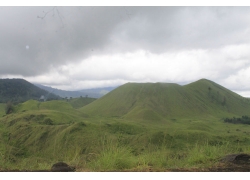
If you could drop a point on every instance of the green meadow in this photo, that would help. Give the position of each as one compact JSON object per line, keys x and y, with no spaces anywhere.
{"x":136,"y":127}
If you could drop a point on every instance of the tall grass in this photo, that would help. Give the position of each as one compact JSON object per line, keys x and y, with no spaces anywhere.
{"x":113,"y":144}
{"x":116,"y":158}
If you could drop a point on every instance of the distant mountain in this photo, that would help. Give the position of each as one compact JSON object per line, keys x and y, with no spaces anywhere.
{"x":157,"y":101}
{"x":94,"y":93}
{"x":20,"y":90}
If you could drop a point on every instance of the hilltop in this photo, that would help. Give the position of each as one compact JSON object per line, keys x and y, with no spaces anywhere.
{"x":158,"y":101}
{"x":20,"y":90}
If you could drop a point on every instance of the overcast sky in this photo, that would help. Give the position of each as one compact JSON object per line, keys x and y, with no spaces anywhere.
{"x":75,"y":48}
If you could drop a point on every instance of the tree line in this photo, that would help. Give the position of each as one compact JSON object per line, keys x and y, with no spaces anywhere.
{"x":239,"y":120}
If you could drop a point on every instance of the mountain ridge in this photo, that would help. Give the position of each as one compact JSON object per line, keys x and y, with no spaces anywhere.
{"x":20,"y":90}
{"x":169,"y":100}
{"x":94,"y":92}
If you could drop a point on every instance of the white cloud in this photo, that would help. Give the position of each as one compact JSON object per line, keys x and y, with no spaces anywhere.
{"x":86,"y":47}
{"x":228,"y":66}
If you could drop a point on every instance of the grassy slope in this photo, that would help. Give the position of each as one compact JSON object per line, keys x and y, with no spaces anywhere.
{"x":102,"y":143}
{"x":158,"y":101}
{"x":109,"y":144}
{"x":20,"y":90}
{"x":80,"y":102}
{"x":219,"y":99}
{"x":2,"y":109}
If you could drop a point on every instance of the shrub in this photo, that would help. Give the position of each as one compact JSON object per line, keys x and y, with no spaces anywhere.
{"x":9,"y":107}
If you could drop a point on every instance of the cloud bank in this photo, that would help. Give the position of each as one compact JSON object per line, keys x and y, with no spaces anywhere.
{"x":85,"y":47}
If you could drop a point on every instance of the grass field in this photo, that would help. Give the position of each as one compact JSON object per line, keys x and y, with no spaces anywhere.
{"x":126,"y":130}
{"x":2,"y":109}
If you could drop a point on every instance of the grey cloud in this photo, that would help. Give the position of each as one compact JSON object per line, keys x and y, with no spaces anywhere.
{"x":163,"y":29}
{"x":57,"y":35}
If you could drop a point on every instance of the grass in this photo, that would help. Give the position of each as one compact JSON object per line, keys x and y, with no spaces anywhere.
{"x":80,"y":102}
{"x":139,"y":127}
{"x":2,"y":109}
{"x":157,"y":101}
{"x":108,"y":145}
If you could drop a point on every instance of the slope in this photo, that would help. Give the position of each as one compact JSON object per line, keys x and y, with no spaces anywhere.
{"x":20,"y":90}
{"x":217,"y":98}
{"x":158,"y":101}
{"x":80,"y":102}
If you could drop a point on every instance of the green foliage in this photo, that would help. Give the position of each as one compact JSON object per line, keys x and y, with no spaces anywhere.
{"x":113,"y":158}
{"x":48,"y":121}
{"x":242,"y":120}
{"x":80,"y":102}
{"x":124,"y":128}
{"x":9,"y":107}
{"x":2,"y":109}
{"x":19,"y":90}
{"x":134,"y":128}
{"x":159,"y":101}
{"x":161,"y":138}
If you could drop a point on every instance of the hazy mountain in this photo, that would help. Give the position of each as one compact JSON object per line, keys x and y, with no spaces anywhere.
{"x":94,"y":93}
{"x":20,"y":90}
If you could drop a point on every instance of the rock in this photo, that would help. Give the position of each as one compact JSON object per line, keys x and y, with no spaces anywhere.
{"x":237,"y":159}
{"x":62,"y":167}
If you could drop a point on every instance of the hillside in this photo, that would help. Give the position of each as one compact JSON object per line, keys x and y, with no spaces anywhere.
{"x":158,"y":101}
{"x":20,"y":90}
{"x":217,"y":98}
{"x":136,"y":127}
{"x":80,"y":102}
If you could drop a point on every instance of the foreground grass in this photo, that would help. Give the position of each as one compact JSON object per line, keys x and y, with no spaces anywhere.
{"x":121,"y":158}
{"x":116,"y":146}
{"x":162,"y":158}
{"x":38,"y":135}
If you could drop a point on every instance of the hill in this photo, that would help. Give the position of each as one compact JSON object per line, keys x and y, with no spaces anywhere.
{"x":93,"y":93}
{"x":20,"y":90}
{"x":80,"y":102}
{"x":136,"y":127}
{"x":156,"y":101}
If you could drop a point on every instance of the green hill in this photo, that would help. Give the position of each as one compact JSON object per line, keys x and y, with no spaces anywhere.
{"x":80,"y":102}
{"x":136,"y":127}
{"x":217,"y":98}
{"x":20,"y":90}
{"x":158,"y":101}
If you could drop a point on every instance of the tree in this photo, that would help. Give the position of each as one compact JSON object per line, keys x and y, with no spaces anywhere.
{"x":209,"y":89}
{"x":9,"y":107}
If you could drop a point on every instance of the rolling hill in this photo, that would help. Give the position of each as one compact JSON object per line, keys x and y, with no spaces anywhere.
{"x":20,"y":90}
{"x":158,"y":101}
{"x":136,"y":127}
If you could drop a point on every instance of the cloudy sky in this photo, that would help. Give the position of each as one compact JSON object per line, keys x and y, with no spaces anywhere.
{"x":75,"y":48}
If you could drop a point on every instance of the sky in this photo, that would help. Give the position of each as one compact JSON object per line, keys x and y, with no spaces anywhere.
{"x":82,"y":47}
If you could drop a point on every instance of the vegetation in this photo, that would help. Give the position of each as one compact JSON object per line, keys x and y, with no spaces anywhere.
{"x":19,"y":90}
{"x":158,"y":101}
{"x":136,"y":127}
{"x":242,"y":120}
{"x":9,"y":107}
{"x":80,"y":102}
